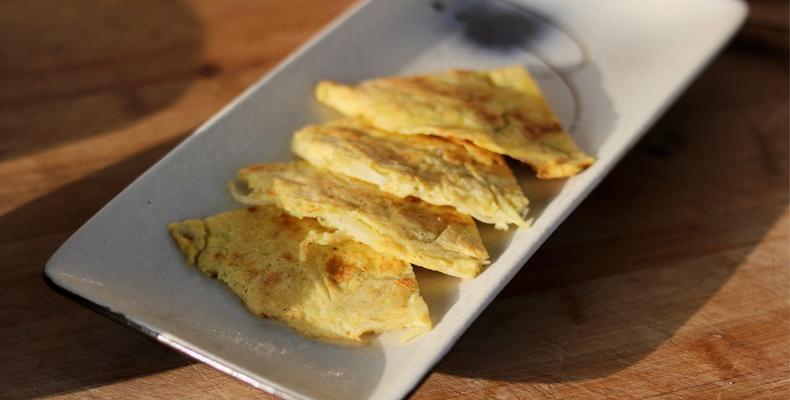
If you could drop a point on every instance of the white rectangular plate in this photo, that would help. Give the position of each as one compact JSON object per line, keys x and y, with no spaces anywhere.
{"x":608,"y":67}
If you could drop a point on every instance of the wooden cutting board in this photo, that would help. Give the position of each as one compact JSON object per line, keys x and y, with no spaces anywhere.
{"x":670,"y":281}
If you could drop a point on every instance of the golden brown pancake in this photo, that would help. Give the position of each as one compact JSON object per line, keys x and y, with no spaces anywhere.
{"x":476,"y":182}
{"x":501,"y":110}
{"x":319,"y":282}
{"x":431,"y":236}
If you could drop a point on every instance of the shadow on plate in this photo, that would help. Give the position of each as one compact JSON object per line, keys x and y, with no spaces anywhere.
{"x":659,"y":237}
{"x":124,"y":60}
{"x":505,"y":32}
{"x":439,"y":291}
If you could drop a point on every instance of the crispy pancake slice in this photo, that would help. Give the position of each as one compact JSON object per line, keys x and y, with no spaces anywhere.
{"x":431,"y":236}
{"x":322,"y":284}
{"x":476,"y":182}
{"x":501,"y":110}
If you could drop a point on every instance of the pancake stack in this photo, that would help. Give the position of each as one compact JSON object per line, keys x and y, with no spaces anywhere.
{"x":327,"y":243}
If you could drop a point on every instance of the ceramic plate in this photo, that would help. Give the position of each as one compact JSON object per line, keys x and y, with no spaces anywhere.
{"x":608,"y":67}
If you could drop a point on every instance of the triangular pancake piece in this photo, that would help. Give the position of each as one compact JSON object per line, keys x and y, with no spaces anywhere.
{"x":501,"y":110}
{"x":476,"y":182}
{"x":320,"y":283}
{"x":431,"y":236}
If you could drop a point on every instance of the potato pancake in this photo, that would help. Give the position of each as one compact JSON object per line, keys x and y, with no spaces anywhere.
{"x":475,"y":181}
{"x":501,"y":110}
{"x":431,"y":236}
{"x":321,"y":283}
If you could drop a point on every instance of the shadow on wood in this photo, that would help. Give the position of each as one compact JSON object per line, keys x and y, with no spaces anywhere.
{"x":123,"y":60}
{"x":82,"y":349}
{"x":660,"y":236}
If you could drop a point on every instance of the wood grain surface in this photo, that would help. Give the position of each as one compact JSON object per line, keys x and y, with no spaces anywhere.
{"x":670,"y":281}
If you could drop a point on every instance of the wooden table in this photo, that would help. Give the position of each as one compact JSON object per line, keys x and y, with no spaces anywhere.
{"x":670,"y":281}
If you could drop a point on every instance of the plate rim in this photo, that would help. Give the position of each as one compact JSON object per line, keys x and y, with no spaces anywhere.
{"x":261,"y":382}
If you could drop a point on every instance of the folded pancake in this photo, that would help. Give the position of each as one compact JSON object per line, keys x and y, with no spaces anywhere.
{"x":431,"y":236}
{"x":476,"y":182}
{"x":321,"y":283}
{"x":501,"y":110}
